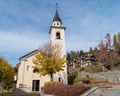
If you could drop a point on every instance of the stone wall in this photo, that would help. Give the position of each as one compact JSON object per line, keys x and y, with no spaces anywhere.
{"x":101,"y":75}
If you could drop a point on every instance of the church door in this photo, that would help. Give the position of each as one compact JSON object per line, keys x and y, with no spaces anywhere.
{"x":35,"y":85}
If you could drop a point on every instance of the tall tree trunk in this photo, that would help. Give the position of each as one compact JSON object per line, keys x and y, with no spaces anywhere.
{"x":8,"y":90}
{"x":51,"y":77}
{"x":1,"y":84}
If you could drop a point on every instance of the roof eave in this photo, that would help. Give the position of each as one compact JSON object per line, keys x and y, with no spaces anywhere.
{"x":27,"y":54}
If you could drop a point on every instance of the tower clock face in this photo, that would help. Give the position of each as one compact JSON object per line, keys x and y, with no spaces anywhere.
{"x":59,"y":45}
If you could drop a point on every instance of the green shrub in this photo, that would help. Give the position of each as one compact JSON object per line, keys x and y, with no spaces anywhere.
{"x":82,"y":69}
{"x":71,"y":78}
{"x":77,"y":66}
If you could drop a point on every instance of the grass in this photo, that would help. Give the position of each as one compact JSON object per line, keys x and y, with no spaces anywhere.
{"x":90,"y":85}
{"x":77,"y":79}
{"x":93,"y":69}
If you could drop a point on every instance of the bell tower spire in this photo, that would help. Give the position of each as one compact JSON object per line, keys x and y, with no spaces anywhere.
{"x":57,"y":20}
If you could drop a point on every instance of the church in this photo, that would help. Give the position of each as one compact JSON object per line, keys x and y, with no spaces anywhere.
{"x":28,"y":80}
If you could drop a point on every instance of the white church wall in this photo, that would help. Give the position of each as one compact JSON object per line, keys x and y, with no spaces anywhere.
{"x":28,"y":76}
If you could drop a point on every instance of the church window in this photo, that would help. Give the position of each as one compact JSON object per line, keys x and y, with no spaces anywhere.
{"x":20,"y":85}
{"x":28,"y":68}
{"x":54,"y":24}
{"x":58,"y":35}
{"x":35,"y":70}
{"x":57,"y":23}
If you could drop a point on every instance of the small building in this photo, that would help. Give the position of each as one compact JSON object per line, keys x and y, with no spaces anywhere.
{"x":86,"y":60}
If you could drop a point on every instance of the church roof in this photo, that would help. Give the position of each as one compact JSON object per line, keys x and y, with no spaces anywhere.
{"x":29,"y":54}
{"x":56,"y":17}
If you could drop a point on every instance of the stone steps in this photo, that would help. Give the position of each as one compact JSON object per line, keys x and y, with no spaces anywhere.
{"x":103,"y":91}
{"x":111,"y":91}
{"x":106,"y":94}
{"x":114,"y":89}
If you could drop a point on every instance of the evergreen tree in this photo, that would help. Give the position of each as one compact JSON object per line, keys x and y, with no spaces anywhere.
{"x":96,"y":48}
{"x":68,"y":56}
{"x":78,"y":53}
{"x":81,"y":53}
{"x":73,"y":55}
{"x":91,"y":50}
{"x":114,"y":40}
{"x":95,"y":52}
{"x":118,"y":36}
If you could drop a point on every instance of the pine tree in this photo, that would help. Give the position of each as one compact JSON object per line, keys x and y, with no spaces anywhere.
{"x":118,"y":36}
{"x":81,"y":53}
{"x":68,"y":56}
{"x":91,"y":50}
{"x":114,"y":40}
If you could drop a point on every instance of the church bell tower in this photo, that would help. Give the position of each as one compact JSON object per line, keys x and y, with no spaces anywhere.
{"x":57,"y":36}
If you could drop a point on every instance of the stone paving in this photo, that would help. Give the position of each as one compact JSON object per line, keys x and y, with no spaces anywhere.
{"x":104,"y":91}
{"x":45,"y":94}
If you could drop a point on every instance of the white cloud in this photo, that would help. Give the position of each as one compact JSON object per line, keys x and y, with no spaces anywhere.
{"x":13,"y":42}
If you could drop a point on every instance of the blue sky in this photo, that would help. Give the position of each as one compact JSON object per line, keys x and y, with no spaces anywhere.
{"x":24,"y":24}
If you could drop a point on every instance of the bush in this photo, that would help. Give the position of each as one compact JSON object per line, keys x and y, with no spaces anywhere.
{"x":51,"y":89}
{"x":51,"y":83}
{"x":82,"y":69}
{"x":70,"y":90}
{"x":99,"y":81}
{"x":86,"y":82}
{"x":66,"y":90}
{"x":77,"y":66}
{"x":48,"y":86}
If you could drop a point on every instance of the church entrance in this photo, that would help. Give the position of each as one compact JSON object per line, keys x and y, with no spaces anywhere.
{"x":35,"y":85}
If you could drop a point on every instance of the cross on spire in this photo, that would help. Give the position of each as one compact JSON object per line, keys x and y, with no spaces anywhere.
{"x":56,"y":5}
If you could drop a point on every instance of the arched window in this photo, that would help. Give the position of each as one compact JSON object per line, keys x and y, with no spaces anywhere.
{"x":58,"y":35}
{"x":28,"y":68}
{"x":35,"y":70}
{"x":57,"y":23}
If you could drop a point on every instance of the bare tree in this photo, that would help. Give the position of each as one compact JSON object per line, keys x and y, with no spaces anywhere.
{"x":108,"y":54}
